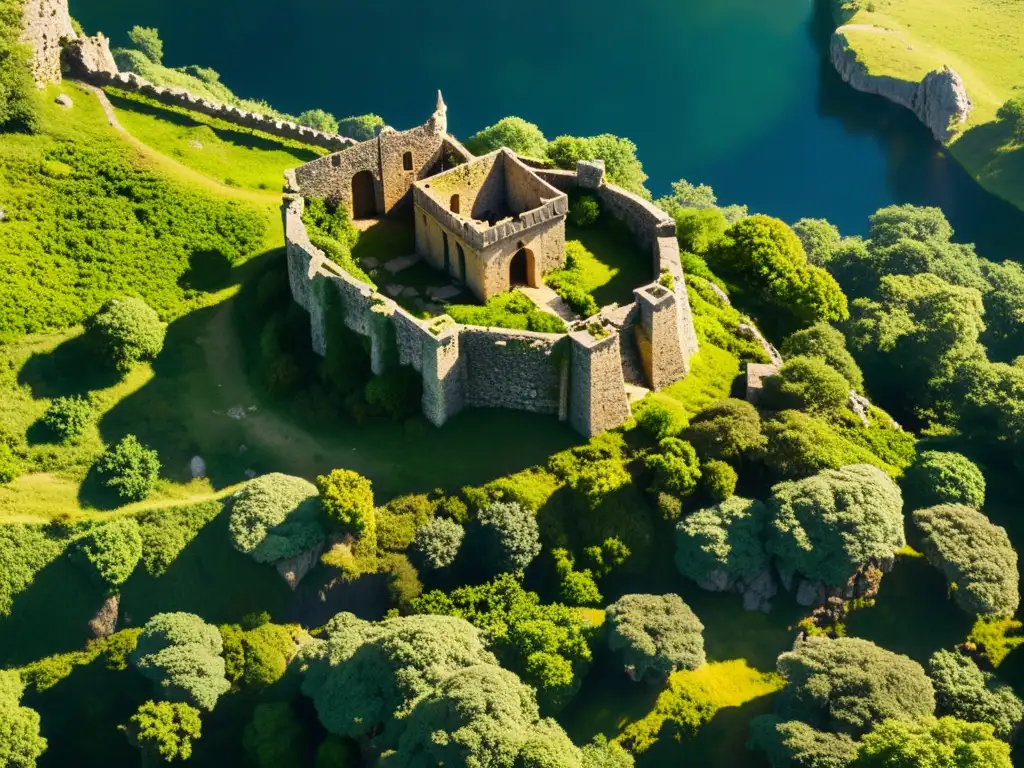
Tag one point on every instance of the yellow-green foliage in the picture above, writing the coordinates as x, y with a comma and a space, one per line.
996, 638
235, 156
24, 551
531, 488
716, 322
47, 672
507, 310
167, 531
693, 697
104, 226
712, 371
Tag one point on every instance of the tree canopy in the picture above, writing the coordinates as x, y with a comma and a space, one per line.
165, 731
795, 744
944, 477
129, 468
727, 429
969, 693
437, 542
799, 444
510, 534
819, 239
148, 41
807, 384
619, 155
675, 466
20, 741
274, 517
128, 331
347, 498
823, 341
717, 545
180, 653
655, 635
974, 555
930, 743
114, 549
517, 134
828, 526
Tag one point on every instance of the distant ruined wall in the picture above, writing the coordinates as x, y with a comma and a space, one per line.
44, 23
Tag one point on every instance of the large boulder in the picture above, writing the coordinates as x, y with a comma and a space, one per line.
941, 103
90, 55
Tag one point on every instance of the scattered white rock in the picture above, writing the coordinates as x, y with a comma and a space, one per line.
197, 467
195, 144
65, 101
236, 412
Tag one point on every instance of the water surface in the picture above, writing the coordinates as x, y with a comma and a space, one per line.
733, 93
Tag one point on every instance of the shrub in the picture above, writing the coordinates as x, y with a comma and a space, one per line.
10, 467
675, 466
568, 285
807, 384
976, 557
511, 536
699, 229
824, 341
165, 731
319, 120
180, 653
274, 517
719, 480
1012, 111
275, 737
20, 741
619, 155
437, 542
819, 239
67, 417
900, 743
584, 211
799, 445
828, 526
795, 743
114, 549
398, 393
360, 127
347, 498
127, 332
655, 635
720, 544
267, 650
148, 41
965, 691
939, 477
129, 468
166, 531
574, 587
507, 310
595, 469
521, 137
726, 429
404, 584
662, 416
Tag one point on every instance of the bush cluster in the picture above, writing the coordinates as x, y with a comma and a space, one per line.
507, 310
67, 417
127, 331
584, 211
114, 549
939, 477
129, 468
274, 517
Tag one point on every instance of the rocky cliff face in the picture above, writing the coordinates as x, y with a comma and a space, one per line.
940, 100
44, 23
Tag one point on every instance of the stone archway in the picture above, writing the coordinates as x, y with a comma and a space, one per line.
522, 269
364, 196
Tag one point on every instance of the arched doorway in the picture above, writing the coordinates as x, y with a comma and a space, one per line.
520, 269
462, 261
364, 196
447, 254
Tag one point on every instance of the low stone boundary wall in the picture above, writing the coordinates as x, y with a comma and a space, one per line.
176, 97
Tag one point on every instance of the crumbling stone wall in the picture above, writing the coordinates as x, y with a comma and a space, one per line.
514, 369
44, 23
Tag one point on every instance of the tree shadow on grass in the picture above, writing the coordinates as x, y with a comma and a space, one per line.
208, 272
73, 368
323, 594
912, 614
51, 615
80, 715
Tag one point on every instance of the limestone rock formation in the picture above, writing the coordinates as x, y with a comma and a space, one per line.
104, 623
64, 100
44, 24
294, 569
758, 592
860, 406
940, 100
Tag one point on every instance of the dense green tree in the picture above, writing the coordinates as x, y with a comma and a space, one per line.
482, 715
848, 685
360, 127
575, 587
619, 155
889, 225
823, 341
545, 644
990, 405
795, 744
975, 556
699, 228
67, 417
727, 429
274, 517
719, 480
675, 466
180, 653
347, 497
20, 741
275, 737
147, 40
126, 331
766, 259
828, 526
319, 120
164, 731
686, 195
129, 468
114, 549
510, 534
1012, 111
437, 542
655, 635
1004, 309
944, 477
930, 743
517, 134
917, 333
807, 384
969, 693
799, 445
955, 263
717, 545
18, 110
362, 676
819, 239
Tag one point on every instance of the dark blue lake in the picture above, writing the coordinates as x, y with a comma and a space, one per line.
737, 94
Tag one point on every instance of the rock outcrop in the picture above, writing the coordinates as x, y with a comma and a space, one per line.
44, 24
104, 623
940, 100
86, 55
294, 569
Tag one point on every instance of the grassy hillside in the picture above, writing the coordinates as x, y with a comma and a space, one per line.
982, 40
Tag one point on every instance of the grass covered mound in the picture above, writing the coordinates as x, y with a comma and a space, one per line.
906, 39
84, 222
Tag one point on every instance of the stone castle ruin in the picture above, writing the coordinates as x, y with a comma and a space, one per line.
492, 222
